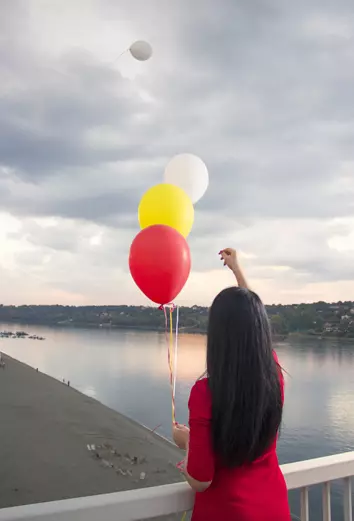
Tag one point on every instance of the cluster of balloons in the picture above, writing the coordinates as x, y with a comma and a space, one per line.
160, 259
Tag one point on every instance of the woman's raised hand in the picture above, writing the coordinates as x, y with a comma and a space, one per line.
229, 257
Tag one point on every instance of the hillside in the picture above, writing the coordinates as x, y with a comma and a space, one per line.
321, 318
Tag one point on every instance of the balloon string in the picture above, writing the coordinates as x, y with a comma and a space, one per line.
119, 56
170, 350
173, 372
169, 344
175, 353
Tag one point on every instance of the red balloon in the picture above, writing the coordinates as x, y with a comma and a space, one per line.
160, 262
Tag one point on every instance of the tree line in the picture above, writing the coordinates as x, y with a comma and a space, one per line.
320, 319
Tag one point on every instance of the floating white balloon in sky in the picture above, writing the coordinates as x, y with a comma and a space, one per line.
141, 50
189, 173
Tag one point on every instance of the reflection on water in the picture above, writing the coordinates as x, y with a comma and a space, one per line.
120, 368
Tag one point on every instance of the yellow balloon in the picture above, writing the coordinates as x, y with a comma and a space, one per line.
167, 204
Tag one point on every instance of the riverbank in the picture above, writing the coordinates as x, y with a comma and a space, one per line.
335, 320
319, 337
56, 443
152, 329
88, 325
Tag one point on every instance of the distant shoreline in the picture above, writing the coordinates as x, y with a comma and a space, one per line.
83, 325
318, 320
183, 330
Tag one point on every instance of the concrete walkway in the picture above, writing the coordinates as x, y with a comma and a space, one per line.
57, 443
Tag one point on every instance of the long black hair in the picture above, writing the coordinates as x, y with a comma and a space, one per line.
244, 378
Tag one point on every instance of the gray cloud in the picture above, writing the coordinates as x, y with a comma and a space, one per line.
44, 128
263, 92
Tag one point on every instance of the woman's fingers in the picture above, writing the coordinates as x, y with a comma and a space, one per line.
226, 252
223, 257
181, 428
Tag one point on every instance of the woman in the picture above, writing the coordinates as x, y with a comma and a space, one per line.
235, 414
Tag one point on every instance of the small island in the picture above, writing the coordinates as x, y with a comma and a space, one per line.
320, 319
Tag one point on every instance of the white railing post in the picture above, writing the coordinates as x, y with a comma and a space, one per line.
347, 499
326, 501
304, 498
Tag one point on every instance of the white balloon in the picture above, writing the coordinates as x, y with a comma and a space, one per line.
141, 50
189, 173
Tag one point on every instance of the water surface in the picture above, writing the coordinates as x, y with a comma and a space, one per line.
128, 371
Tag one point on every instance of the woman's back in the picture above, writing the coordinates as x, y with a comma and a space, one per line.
253, 491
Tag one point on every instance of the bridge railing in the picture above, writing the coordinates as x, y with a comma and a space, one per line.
147, 503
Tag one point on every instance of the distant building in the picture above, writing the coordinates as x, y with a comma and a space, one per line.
328, 327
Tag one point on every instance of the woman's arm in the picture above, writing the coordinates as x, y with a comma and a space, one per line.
181, 435
199, 462
240, 277
198, 486
229, 256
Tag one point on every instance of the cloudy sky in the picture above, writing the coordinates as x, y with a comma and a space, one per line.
262, 91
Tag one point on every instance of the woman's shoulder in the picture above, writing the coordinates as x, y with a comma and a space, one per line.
201, 384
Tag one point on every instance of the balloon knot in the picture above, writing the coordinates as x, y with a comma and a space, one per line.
170, 305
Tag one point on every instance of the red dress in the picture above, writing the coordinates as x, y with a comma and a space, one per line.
253, 492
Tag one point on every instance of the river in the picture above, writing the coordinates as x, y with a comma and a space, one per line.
127, 370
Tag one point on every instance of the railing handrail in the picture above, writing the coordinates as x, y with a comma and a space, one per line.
318, 470
142, 503
167, 499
